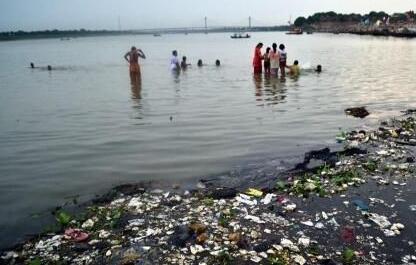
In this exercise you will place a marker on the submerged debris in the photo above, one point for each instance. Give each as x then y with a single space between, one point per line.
358 112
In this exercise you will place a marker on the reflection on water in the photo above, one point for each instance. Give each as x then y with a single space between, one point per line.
136 86
269 90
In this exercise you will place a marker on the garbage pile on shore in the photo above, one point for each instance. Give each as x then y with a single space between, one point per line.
352 209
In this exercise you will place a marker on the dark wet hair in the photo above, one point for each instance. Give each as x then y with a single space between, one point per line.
259 45
296 62
133 48
268 50
184 58
274 46
217 62
199 62
174 52
282 46
319 68
32 65
49 68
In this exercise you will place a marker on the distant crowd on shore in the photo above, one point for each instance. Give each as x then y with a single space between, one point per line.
275 60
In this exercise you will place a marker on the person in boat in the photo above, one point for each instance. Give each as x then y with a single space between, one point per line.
200 64
184 64
266 59
282 60
257 59
217 63
274 60
318 68
174 62
294 70
132 57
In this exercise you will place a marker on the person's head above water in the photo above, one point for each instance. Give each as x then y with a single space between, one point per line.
49 68
282 47
175 53
199 62
133 48
32 65
318 68
296 62
217 62
259 45
274 46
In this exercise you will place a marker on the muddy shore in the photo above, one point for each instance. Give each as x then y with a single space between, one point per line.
350 206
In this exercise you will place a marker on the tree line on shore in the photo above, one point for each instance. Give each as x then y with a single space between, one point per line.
371 17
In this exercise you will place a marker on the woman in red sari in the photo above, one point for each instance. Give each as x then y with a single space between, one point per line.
258 57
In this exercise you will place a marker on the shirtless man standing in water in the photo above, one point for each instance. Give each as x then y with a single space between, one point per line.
132 57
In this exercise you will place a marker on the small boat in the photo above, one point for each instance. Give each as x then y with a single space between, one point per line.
296 31
240 36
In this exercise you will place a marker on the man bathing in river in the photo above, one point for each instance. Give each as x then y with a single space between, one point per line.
132 57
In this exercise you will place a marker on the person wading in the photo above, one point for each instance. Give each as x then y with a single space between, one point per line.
258 57
132 57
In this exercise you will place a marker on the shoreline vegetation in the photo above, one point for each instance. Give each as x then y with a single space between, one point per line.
353 206
373 23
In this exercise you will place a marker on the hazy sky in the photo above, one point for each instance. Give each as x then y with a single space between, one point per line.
139 14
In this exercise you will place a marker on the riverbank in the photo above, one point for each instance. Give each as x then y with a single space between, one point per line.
352 207
396 30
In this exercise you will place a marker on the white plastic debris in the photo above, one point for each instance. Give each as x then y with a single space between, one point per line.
88 224
254 219
380 220
196 249
290 207
268 198
304 241
307 223
299 260
246 200
103 234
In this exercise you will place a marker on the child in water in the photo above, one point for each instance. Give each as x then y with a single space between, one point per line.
184 64
266 57
294 70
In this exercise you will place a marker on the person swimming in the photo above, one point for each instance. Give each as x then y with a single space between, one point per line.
32 65
318 68
200 64
217 63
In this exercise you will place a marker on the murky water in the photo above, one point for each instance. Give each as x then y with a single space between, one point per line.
82 128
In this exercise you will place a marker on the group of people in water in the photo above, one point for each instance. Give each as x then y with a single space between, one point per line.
274 61
132 57
183 65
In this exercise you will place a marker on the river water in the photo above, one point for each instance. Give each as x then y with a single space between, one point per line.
82 128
